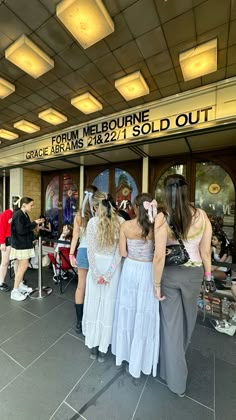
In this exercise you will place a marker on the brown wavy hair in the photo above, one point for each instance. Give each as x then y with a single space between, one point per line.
108 227
142 213
177 204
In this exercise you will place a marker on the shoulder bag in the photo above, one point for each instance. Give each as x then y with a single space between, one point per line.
176 254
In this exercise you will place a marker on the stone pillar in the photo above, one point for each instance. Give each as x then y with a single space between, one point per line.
16 184
32 188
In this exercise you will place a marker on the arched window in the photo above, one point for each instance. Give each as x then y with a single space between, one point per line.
174 169
214 193
123 185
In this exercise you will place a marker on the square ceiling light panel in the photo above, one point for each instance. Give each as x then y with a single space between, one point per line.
6 88
132 86
199 61
26 55
8 135
26 126
87 20
86 103
52 116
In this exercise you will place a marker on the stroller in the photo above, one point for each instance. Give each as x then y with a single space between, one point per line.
63 268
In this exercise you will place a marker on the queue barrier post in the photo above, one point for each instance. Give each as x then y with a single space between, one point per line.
40 292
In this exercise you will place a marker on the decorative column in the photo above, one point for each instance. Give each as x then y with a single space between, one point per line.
145 175
81 185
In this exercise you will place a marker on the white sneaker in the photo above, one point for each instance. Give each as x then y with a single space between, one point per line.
17 295
25 289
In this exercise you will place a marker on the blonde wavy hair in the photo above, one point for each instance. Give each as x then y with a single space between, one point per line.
108 227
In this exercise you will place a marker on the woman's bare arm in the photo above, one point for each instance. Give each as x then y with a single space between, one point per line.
122 241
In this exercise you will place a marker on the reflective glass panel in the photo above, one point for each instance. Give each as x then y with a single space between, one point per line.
126 188
175 169
69 199
215 194
102 181
51 204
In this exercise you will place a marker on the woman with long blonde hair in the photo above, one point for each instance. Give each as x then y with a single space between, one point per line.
102 279
81 260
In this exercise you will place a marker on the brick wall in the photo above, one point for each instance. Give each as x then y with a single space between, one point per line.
32 188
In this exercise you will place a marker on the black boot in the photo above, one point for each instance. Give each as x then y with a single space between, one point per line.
79 313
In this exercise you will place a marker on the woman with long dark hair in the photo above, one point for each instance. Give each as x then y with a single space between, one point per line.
22 249
136 322
178 286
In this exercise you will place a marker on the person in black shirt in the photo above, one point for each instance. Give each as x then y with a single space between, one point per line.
22 249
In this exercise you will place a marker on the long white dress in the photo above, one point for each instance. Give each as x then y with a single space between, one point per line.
100 299
135 337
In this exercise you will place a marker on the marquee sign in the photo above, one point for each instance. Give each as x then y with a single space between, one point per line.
198 108
117 130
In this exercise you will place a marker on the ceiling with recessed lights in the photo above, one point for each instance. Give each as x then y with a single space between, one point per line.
148 37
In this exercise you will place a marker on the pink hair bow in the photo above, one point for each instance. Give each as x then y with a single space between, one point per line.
151 207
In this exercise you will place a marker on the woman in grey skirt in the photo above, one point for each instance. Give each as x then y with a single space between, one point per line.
178 286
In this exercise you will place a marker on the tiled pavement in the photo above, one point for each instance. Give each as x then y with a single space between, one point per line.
46 372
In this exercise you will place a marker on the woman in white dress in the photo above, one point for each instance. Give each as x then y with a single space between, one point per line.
103 275
136 323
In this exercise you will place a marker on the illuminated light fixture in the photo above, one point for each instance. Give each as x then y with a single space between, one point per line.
29 57
52 116
7 135
6 88
26 126
86 103
132 86
87 20
199 61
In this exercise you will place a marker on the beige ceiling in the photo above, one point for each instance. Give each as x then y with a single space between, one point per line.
149 34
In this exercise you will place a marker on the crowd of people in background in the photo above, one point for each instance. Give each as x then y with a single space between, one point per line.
126 298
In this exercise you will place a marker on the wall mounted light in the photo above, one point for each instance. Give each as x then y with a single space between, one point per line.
8 135
6 88
26 126
26 55
132 86
87 20
52 116
86 103
199 61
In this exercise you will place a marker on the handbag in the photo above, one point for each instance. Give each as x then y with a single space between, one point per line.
176 254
